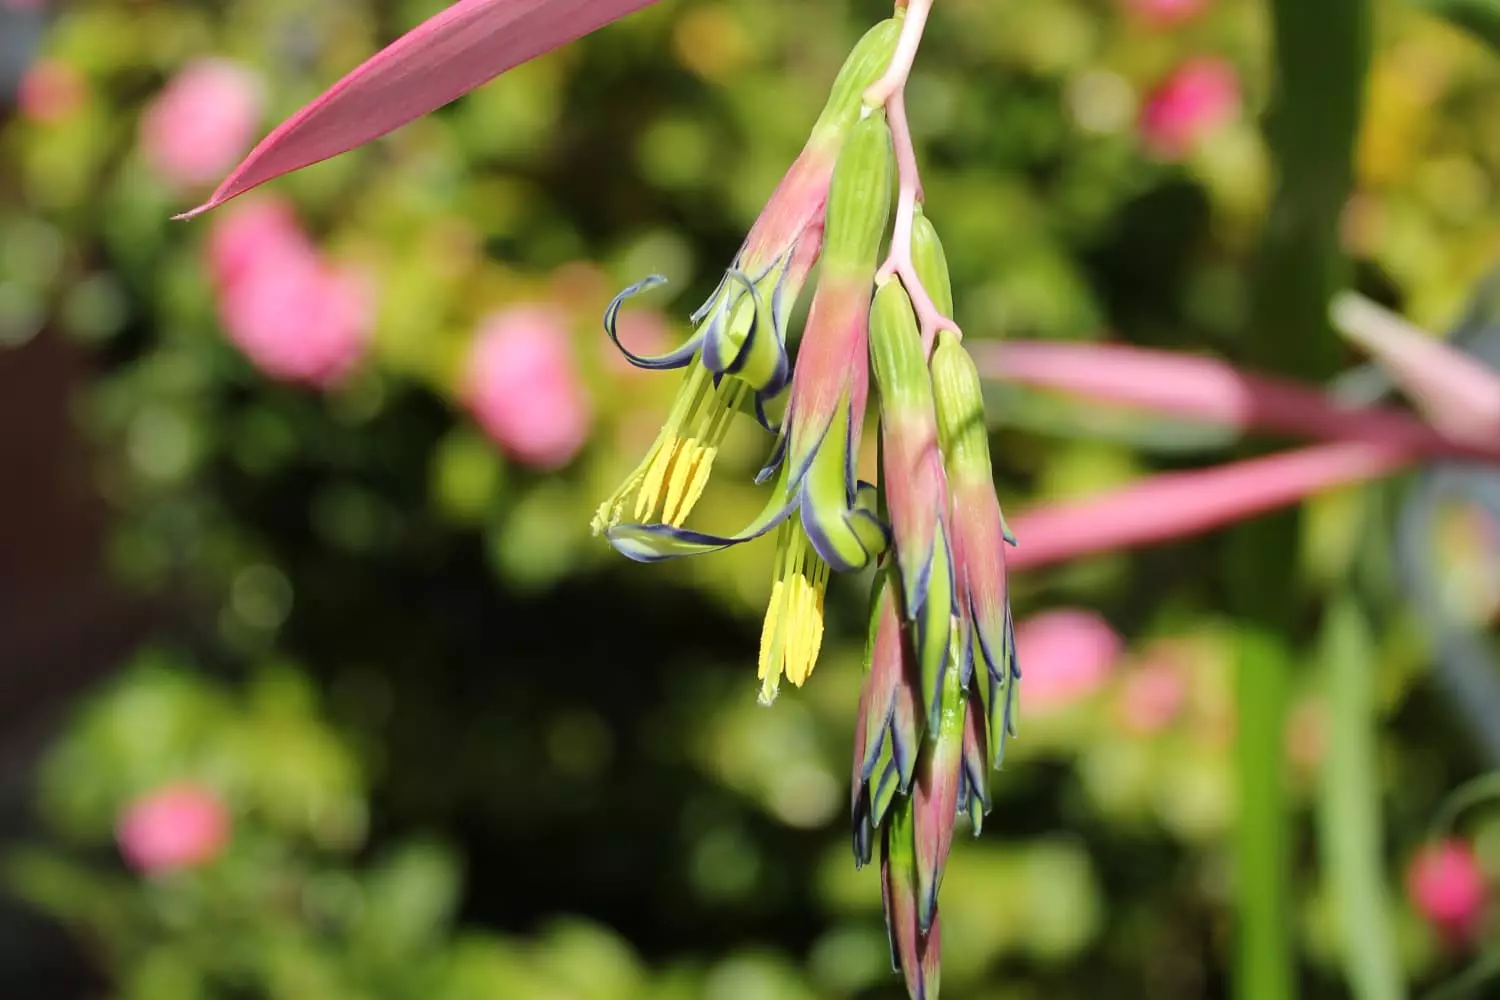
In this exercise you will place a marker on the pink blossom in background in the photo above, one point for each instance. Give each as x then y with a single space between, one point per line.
202 122
176 827
294 316
252 232
1152 695
1198 97
1065 656
1166 13
50 91
523 387
299 320
1447 886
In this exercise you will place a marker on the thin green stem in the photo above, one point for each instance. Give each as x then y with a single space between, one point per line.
1322 52
1349 807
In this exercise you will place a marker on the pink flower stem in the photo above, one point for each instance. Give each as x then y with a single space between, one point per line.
890 91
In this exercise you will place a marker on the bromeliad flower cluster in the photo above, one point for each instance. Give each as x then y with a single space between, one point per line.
931 527
940 689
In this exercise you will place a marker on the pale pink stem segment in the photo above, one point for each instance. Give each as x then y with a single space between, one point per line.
930 319
448 55
890 91
893 80
1178 505
1459 394
1208 390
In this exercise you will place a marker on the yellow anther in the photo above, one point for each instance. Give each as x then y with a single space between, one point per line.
684 470
702 468
649 496
793 631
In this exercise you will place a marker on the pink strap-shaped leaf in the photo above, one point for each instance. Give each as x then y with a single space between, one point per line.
1208 390
1177 505
445 57
1459 394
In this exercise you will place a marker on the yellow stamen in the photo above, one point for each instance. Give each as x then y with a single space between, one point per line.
701 471
659 461
793 631
671 479
770 632
808 637
688 454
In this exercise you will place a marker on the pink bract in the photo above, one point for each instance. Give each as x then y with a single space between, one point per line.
461 47
201 122
523 387
173 828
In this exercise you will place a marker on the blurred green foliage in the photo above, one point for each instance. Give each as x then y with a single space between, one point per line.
474 670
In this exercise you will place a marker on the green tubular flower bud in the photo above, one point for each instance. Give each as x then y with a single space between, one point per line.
962 431
866 64
931 262
896 350
859 199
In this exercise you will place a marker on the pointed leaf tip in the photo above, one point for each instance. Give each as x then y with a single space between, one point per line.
453 52
1459 394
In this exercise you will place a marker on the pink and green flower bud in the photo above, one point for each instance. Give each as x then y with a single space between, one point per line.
887 730
940 775
914 952
737 354
915 484
816 449
743 324
931 262
865 64
980 534
859 199
832 369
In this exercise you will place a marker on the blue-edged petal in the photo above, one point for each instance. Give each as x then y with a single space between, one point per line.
680 358
976 757
648 543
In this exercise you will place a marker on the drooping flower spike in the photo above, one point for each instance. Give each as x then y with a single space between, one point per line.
837 529
940 605
737 353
